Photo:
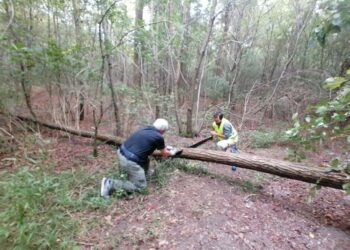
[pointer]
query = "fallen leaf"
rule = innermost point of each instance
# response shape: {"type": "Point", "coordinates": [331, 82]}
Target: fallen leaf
{"type": "Point", "coordinates": [163, 243]}
{"type": "Point", "coordinates": [108, 219]}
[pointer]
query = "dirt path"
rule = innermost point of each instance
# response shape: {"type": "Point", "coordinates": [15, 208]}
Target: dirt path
{"type": "Point", "coordinates": [201, 212]}
{"type": "Point", "coordinates": [220, 210]}
{"type": "Point", "coordinates": [223, 210]}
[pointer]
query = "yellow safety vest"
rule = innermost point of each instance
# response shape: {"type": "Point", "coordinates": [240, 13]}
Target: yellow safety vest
{"type": "Point", "coordinates": [220, 130]}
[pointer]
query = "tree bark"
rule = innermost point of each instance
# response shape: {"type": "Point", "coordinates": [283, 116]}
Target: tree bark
{"type": "Point", "coordinates": [108, 139]}
{"type": "Point", "coordinates": [199, 65]}
{"type": "Point", "coordinates": [137, 76]}
{"type": "Point", "coordinates": [180, 65]}
{"type": "Point", "coordinates": [110, 83]}
{"type": "Point", "coordinates": [23, 63]}
{"type": "Point", "coordinates": [79, 41]}
{"type": "Point", "coordinates": [105, 54]}
{"type": "Point", "coordinates": [219, 61]}
{"type": "Point", "coordinates": [26, 89]}
{"type": "Point", "coordinates": [48, 5]}
{"type": "Point", "coordinates": [276, 167]}
{"type": "Point", "coordinates": [243, 160]}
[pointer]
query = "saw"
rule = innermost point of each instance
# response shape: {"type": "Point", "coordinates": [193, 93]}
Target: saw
{"type": "Point", "coordinates": [201, 142]}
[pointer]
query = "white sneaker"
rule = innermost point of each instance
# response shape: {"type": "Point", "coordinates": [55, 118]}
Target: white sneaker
{"type": "Point", "coordinates": [150, 172]}
{"type": "Point", "coordinates": [106, 185]}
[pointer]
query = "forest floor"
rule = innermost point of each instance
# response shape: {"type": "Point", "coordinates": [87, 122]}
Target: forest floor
{"type": "Point", "coordinates": [218, 210]}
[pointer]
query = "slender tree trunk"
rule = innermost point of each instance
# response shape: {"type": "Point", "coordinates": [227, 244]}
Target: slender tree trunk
{"type": "Point", "coordinates": [48, 4]}
{"type": "Point", "coordinates": [76, 16]}
{"type": "Point", "coordinates": [275, 62]}
{"type": "Point", "coordinates": [180, 65]}
{"type": "Point", "coordinates": [322, 56]}
{"type": "Point", "coordinates": [235, 70]}
{"type": "Point", "coordinates": [137, 75]}
{"type": "Point", "coordinates": [97, 123]}
{"type": "Point", "coordinates": [156, 69]}
{"type": "Point", "coordinates": [110, 81]}
{"type": "Point", "coordinates": [26, 88]}
{"type": "Point", "coordinates": [26, 67]}
{"type": "Point", "coordinates": [267, 53]}
{"type": "Point", "coordinates": [169, 59]}
{"type": "Point", "coordinates": [306, 47]}
{"type": "Point", "coordinates": [55, 26]}
{"type": "Point", "coordinates": [23, 69]}
{"type": "Point", "coordinates": [199, 64]}
{"type": "Point", "coordinates": [238, 53]}
{"type": "Point", "coordinates": [105, 54]}
{"type": "Point", "coordinates": [30, 26]}
{"type": "Point", "coordinates": [220, 62]}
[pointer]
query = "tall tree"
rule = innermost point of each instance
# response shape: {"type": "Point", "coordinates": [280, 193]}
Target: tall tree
{"type": "Point", "coordinates": [79, 42]}
{"type": "Point", "coordinates": [138, 44]}
{"type": "Point", "coordinates": [195, 80]}
{"type": "Point", "coordinates": [180, 62]}
{"type": "Point", "coordinates": [105, 48]}
{"type": "Point", "coordinates": [22, 46]}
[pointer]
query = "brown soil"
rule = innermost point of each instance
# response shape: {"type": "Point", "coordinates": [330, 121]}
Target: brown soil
{"type": "Point", "coordinates": [223, 210]}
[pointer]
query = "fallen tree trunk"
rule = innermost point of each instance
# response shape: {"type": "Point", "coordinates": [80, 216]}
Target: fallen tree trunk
{"type": "Point", "coordinates": [277, 167]}
{"type": "Point", "coordinates": [108, 139]}
{"type": "Point", "coordinates": [243, 160]}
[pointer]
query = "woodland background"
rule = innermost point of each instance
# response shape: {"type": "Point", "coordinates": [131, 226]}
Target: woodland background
{"type": "Point", "coordinates": [181, 60]}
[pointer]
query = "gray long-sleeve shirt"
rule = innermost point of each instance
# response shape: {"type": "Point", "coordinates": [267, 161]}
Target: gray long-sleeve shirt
{"type": "Point", "coordinates": [228, 130]}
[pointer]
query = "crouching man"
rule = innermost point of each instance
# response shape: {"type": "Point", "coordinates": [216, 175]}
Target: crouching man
{"type": "Point", "coordinates": [133, 157]}
{"type": "Point", "coordinates": [225, 133]}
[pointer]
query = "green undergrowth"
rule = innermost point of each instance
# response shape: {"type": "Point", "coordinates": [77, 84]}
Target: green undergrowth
{"type": "Point", "coordinates": [165, 168]}
{"type": "Point", "coordinates": [266, 138]}
{"type": "Point", "coordinates": [41, 209]}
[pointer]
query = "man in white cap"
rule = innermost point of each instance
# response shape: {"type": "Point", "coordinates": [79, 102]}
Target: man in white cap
{"type": "Point", "coordinates": [133, 157]}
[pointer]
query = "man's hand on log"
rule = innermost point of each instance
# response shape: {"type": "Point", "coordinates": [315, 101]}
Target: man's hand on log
{"type": "Point", "coordinates": [174, 151]}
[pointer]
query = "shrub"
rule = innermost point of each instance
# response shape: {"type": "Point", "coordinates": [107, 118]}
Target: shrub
{"type": "Point", "coordinates": [264, 139]}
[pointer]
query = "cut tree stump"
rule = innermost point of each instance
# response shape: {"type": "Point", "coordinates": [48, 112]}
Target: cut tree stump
{"type": "Point", "coordinates": [285, 169]}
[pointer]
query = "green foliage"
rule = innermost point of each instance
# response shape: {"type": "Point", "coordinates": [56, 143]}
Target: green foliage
{"type": "Point", "coordinates": [55, 56]}
{"type": "Point", "coordinates": [165, 168]}
{"type": "Point", "coordinates": [119, 16]}
{"type": "Point", "coordinates": [327, 121]}
{"type": "Point", "coordinates": [337, 19]}
{"type": "Point", "coordinates": [329, 117]}
{"type": "Point", "coordinates": [265, 138]}
{"type": "Point", "coordinates": [8, 97]}
{"type": "Point", "coordinates": [312, 193]}
{"type": "Point", "coordinates": [41, 210]}
{"type": "Point", "coordinates": [295, 155]}
{"type": "Point", "coordinates": [196, 168]}
{"type": "Point", "coordinates": [216, 87]}
{"type": "Point", "coordinates": [119, 174]}
{"type": "Point", "coordinates": [250, 187]}
{"type": "Point", "coordinates": [131, 101]}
